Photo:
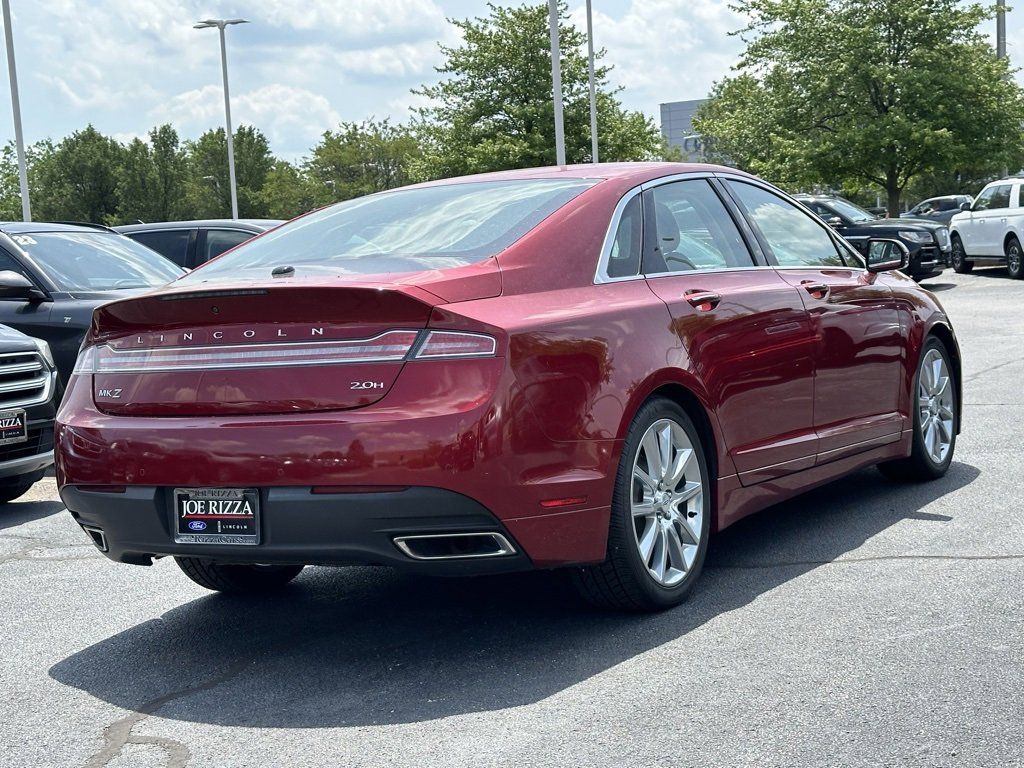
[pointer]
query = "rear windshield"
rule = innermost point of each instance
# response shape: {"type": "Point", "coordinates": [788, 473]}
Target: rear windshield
{"type": "Point", "coordinates": [97, 261]}
{"type": "Point", "coordinates": [407, 230]}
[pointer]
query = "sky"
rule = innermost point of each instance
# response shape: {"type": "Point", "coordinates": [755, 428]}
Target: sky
{"type": "Point", "coordinates": [302, 66]}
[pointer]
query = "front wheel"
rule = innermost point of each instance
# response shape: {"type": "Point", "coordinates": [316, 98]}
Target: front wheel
{"type": "Point", "coordinates": [959, 257]}
{"type": "Point", "coordinates": [660, 517]}
{"type": "Point", "coordinates": [1014, 259]}
{"type": "Point", "coordinates": [235, 577]}
{"type": "Point", "coordinates": [935, 419]}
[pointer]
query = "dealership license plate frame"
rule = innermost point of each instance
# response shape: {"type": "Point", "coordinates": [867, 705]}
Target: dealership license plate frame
{"type": "Point", "coordinates": [12, 435]}
{"type": "Point", "coordinates": [249, 536]}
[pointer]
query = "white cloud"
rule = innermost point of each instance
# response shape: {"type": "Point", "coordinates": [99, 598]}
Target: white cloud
{"type": "Point", "coordinates": [285, 114]}
{"type": "Point", "coordinates": [666, 50]}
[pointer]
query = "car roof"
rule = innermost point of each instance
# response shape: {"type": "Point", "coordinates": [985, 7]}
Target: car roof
{"type": "Point", "coordinates": [29, 227]}
{"type": "Point", "coordinates": [636, 172]}
{"type": "Point", "coordinates": [252, 225]}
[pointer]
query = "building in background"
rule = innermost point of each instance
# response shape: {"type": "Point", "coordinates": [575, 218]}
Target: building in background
{"type": "Point", "coordinates": [677, 128]}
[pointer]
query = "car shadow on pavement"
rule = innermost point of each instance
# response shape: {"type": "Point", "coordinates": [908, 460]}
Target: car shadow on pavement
{"type": "Point", "coordinates": [363, 646]}
{"type": "Point", "coordinates": [21, 512]}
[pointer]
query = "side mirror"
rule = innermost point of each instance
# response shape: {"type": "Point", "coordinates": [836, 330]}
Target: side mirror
{"type": "Point", "coordinates": [14, 285]}
{"type": "Point", "coordinates": [965, 206]}
{"type": "Point", "coordinates": [886, 255]}
{"type": "Point", "coordinates": [834, 221]}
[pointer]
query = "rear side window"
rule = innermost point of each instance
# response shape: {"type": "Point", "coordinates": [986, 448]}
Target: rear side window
{"type": "Point", "coordinates": [793, 237]}
{"type": "Point", "coordinates": [692, 230]}
{"type": "Point", "coordinates": [172, 243]}
{"type": "Point", "coordinates": [624, 257]}
{"type": "Point", "coordinates": [220, 240]}
{"type": "Point", "coordinates": [405, 230]}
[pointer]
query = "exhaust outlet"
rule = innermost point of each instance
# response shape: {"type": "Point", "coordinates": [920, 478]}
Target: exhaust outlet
{"type": "Point", "coordinates": [99, 538]}
{"type": "Point", "coordinates": [454, 546]}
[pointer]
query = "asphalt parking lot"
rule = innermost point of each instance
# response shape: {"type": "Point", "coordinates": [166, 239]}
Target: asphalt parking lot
{"type": "Point", "coordinates": [864, 624]}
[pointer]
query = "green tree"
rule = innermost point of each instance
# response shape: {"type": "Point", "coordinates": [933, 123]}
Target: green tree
{"type": "Point", "coordinates": [873, 91]}
{"type": "Point", "coordinates": [137, 183]}
{"type": "Point", "coordinates": [288, 191]}
{"type": "Point", "coordinates": [493, 109]}
{"type": "Point", "coordinates": [170, 168]}
{"type": "Point", "coordinates": [78, 181]}
{"type": "Point", "coordinates": [361, 158]}
{"type": "Point", "coordinates": [208, 187]}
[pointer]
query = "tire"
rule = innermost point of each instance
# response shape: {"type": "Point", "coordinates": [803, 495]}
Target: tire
{"type": "Point", "coordinates": [924, 463]}
{"type": "Point", "coordinates": [1014, 258]}
{"type": "Point", "coordinates": [237, 578]}
{"type": "Point", "coordinates": [676, 529]}
{"type": "Point", "coordinates": [958, 258]}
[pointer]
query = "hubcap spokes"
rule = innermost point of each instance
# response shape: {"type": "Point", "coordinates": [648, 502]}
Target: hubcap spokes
{"type": "Point", "coordinates": [935, 406]}
{"type": "Point", "coordinates": [667, 502]}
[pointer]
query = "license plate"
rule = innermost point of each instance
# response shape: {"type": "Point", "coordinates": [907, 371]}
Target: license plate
{"type": "Point", "coordinates": [216, 516]}
{"type": "Point", "coordinates": [13, 426]}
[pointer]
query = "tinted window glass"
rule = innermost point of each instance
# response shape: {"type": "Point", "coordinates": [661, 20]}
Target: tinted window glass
{"type": "Point", "coordinates": [9, 264]}
{"type": "Point", "coordinates": [984, 201]}
{"type": "Point", "coordinates": [172, 243]}
{"type": "Point", "coordinates": [220, 240]}
{"type": "Point", "coordinates": [693, 230]}
{"type": "Point", "coordinates": [407, 230]}
{"type": "Point", "coordinates": [1000, 197]}
{"type": "Point", "coordinates": [97, 261]}
{"type": "Point", "coordinates": [795, 239]}
{"type": "Point", "coordinates": [624, 258]}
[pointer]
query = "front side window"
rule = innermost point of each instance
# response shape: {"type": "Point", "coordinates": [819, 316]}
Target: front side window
{"type": "Point", "coordinates": [1000, 197]}
{"type": "Point", "coordinates": [793, 237]}
{"type": "Point", "coordinates": [984, 201]}
{"type": "Point", "coordinates": [692, 230]}
{"type": "Point", "coordinates": [405, 230]}
{"type": "Point", "coordinates": [97, 261]}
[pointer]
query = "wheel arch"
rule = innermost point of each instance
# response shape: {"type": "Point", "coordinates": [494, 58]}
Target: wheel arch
{"type": "Point", "coordinates": [1010, 235]}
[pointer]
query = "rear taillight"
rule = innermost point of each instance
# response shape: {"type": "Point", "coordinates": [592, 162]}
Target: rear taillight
{"type": "Point", "coordinates": [443, 344]}
{"type": "Point", "coordinates": [391, 346]}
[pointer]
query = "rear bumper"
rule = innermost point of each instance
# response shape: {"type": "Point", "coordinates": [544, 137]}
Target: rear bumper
{"type": "Point", "coordinates": [299, 526]}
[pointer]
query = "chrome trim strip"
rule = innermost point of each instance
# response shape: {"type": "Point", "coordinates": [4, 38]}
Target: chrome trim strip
{"type": "Point", "coordinates": [418, 354]}
{"type": "Point", "coordinates": [504, 547]}
{"type": "Point", "coordinates": [601, 275]}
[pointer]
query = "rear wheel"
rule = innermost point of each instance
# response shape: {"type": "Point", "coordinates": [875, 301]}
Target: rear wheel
{"type": "Point", "coordinates": [935, 419]}
{"type": "Point", "coordinates": [234, 577]}
{"type": "Point", "coordinates": [660, 517]}
{"type": "Point", "coordinates": [961, 265]}
{"type": "Point", "coordinates": [1014, 258]}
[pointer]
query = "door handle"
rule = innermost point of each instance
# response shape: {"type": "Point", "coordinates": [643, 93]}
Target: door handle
{"type": "Point", "coordinates": [704, 301]}
{"type": "Point", "coordinates": [817, 290]}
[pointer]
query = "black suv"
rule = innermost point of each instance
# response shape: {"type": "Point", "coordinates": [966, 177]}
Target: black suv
{"type": "Point", "coordinates": [928, 243]}
{"type": "Point", "coordinates": [29, 393]}
{"type": "Point", "coordinates": [52, 276]}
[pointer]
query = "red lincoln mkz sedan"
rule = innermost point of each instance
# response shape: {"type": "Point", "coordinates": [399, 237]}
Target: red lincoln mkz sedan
{"type": "Point", "coordinates": [593, 366]}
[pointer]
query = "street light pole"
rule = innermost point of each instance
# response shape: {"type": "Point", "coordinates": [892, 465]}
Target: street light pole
{"type": "Point", "coordinates": [1001, 29]}
{"type": "Point", "coordinates": [19, 139]}
{"type": "Point", "coordinates": [556, 82]}
{"type": "Point", "coordinates": [593, 87]}
{"type": "Point", "coordinates": [221, 24]}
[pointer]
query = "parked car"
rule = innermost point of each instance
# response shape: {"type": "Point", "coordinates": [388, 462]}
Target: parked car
{"type": "Point", "coordinates": [29, 394]}
{"type": "Point", "coordinates": [990, 231]}
{"type": "Point", "coordinates": [591, 367]}
{"type": "Point", "coordinates": [191, 243]}
{"type": "Point", "coordinates": [927, 242]}
{"type": "Point", "coordinates": [56, 274]}
{"type": "Point", "coordinates": [940, 209]}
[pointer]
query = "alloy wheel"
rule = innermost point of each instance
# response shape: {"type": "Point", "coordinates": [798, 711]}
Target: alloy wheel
{"type": "Point", "coordinates": [1013, 259]}
{"type": "Point", "coordinates": [667, 502]}
{"type": "Point", "coordinates": [935, 406]}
